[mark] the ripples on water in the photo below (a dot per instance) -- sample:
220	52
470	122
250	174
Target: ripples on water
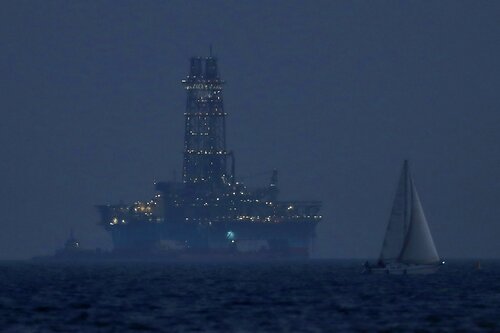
317	296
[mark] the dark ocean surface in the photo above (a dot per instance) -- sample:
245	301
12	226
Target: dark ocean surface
315	296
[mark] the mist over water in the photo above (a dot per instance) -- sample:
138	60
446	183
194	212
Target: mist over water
315	296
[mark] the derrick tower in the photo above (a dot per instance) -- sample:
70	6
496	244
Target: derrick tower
205	155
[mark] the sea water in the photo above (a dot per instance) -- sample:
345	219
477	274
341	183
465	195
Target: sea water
314	296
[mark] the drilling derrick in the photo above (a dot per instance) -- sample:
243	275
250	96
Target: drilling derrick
205	155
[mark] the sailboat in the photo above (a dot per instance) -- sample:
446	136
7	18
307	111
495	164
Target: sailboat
408	247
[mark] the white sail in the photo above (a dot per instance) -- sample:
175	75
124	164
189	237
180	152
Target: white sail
419	247
408	247
398	222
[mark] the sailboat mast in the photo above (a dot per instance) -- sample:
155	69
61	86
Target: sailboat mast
405	191
407	200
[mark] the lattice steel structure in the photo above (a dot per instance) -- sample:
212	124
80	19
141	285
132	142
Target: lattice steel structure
205	155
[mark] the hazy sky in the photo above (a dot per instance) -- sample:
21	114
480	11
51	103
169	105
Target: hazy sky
334	94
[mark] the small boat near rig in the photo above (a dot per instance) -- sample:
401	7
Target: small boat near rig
209	214
408	247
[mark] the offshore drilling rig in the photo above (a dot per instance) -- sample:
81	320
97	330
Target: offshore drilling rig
209	214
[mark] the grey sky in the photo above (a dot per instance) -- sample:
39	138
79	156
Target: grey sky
334	94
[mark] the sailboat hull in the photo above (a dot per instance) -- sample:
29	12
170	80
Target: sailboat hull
402	269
